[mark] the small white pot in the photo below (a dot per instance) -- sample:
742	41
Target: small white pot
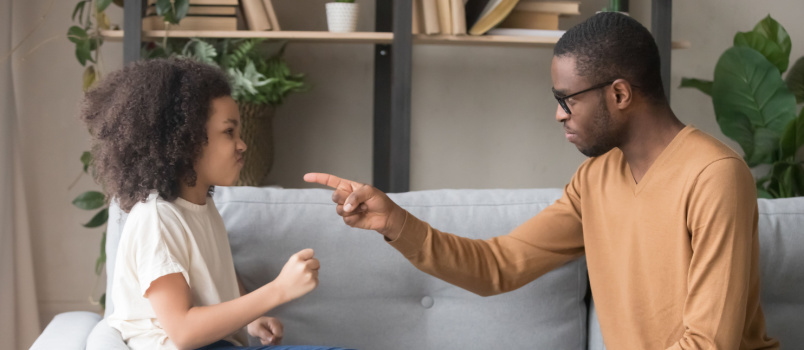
342	16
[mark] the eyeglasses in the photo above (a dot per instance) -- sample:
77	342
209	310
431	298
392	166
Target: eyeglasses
562	100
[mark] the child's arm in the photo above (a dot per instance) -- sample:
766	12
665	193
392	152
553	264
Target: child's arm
190	327
268	329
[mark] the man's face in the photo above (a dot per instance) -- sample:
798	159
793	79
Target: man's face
590	125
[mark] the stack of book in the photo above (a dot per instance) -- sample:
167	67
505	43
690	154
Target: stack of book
221	15
439	17
477	17
540	14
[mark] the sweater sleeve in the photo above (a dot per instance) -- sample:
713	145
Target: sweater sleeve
486	267
722	220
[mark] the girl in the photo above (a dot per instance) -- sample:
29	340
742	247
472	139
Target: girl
165	132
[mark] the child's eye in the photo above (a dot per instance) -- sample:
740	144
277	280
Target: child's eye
229	131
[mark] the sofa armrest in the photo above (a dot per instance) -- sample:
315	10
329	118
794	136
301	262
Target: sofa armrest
67	330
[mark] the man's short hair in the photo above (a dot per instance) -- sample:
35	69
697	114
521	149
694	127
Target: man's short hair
611	46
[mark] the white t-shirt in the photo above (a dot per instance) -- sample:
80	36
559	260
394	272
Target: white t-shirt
161	238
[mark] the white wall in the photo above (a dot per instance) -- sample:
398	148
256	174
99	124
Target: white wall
482	116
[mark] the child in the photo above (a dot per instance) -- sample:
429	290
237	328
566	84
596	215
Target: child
165	132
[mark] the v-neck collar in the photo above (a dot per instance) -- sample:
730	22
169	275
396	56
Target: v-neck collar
636	188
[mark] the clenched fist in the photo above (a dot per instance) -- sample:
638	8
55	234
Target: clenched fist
299	276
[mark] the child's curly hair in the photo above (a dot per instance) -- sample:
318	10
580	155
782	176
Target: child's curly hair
148	126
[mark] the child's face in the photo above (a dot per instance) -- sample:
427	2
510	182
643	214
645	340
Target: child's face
222	158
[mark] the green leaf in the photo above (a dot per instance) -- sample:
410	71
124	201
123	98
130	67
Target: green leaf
77	34
89	79
769	28
86	158
795	80
200	50
792	138
102	4
79	10
181	7
163	7
99	219
83	52
103	301
763	193
704	86
102	258
770	49
752	103
89	200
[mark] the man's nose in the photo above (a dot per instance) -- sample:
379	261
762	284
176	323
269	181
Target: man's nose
561	116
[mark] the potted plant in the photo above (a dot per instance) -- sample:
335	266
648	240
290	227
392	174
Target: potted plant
342	16
261	79
756	108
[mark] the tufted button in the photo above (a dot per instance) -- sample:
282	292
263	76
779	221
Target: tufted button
427	302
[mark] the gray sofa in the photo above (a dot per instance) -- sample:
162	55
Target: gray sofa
370	297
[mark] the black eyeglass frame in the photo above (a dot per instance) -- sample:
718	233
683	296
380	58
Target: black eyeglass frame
562	100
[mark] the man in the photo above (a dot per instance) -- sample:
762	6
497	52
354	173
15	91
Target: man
666	214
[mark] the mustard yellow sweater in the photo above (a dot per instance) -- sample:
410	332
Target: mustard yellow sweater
673	260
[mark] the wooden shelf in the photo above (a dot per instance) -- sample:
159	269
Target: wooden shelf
360	37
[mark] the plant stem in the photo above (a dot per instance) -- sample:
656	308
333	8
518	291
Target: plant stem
38	24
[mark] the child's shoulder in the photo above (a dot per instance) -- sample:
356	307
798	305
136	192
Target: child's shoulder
156	209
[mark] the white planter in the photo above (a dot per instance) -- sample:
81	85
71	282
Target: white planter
342	17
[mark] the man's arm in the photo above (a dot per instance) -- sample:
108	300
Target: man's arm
486	267
722	219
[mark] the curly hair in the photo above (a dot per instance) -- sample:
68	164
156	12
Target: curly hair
148	126
609	46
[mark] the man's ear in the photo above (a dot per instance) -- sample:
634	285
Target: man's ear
623	93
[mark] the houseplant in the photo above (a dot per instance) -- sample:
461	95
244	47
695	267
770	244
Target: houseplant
90	18
342	16
756	108
261	79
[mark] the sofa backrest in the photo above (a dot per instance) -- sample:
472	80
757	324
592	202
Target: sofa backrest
781	255
370	297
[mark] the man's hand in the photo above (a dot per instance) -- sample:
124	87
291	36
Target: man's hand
363	206
268	329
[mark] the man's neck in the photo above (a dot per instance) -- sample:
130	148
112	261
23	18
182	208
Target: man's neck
648	136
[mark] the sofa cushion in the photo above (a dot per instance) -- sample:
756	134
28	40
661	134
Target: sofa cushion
781	244
370	297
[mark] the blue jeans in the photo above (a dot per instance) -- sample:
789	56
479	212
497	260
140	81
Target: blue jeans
225	345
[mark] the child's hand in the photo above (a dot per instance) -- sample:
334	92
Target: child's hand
268	329
300	274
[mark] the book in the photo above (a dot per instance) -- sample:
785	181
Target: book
256	16
206	2
201	10
444	16
458	17
269	8
530	20
559	7
526	32
494	13
191	23
430	12
473	9
417	25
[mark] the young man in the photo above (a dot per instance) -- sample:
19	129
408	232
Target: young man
666	214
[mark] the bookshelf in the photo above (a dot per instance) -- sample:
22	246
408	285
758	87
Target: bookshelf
393	46
359	38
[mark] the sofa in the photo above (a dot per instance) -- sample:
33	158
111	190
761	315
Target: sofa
370	297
